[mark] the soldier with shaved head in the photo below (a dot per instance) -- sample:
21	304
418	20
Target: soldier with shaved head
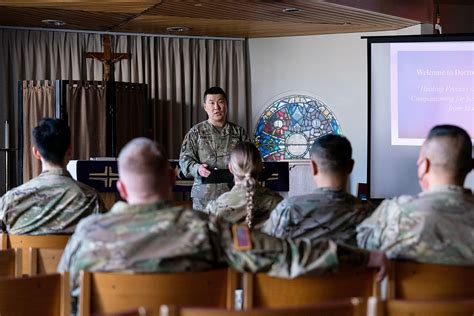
436	226
147	234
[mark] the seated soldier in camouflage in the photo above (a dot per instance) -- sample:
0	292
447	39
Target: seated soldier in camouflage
437	225
248	201
147	234
330	211
53	202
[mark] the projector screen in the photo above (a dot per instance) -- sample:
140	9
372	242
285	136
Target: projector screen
415	83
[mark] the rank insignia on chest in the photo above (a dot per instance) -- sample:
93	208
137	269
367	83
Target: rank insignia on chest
242	239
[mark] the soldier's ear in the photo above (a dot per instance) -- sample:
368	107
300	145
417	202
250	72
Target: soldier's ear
350	167
314	168
122	190
36	153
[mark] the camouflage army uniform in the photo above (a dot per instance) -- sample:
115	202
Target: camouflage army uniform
327	213
207	144
158	238
436	226
51	203
232	205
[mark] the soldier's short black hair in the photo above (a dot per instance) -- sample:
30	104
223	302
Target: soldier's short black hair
458	157
52	137
333	153
214	90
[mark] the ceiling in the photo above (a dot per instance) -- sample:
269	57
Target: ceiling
241	19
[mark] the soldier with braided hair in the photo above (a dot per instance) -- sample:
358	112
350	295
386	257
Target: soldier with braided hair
248	201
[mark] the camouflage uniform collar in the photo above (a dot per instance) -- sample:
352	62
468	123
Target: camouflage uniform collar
224	130
446	188
329	189
56	171
123	207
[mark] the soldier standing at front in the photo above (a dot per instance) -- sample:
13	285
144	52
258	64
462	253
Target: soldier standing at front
207	146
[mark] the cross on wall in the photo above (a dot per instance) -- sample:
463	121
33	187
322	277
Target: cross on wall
107	58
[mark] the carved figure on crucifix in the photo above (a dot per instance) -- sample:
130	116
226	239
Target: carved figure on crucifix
107	58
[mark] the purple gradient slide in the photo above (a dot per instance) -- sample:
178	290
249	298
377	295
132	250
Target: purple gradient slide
430	85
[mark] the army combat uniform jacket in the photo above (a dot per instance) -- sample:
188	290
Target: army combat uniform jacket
436	226
158	238
207	144
232	205
51	203
326	213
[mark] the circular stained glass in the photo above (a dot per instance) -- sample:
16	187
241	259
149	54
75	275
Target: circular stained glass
290	125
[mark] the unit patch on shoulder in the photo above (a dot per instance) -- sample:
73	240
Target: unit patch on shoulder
242	239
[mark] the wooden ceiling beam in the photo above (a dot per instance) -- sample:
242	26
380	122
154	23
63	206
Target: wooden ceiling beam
205	17
418	10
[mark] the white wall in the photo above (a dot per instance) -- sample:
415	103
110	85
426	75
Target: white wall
332	68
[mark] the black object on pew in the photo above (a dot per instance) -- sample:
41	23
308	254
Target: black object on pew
219	176
102	175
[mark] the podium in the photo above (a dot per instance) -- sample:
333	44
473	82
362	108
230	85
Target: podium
102	175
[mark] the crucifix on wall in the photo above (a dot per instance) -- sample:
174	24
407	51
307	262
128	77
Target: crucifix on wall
113	120
107	58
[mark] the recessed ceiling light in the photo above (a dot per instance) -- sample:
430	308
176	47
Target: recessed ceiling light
291	10
178	29
54	22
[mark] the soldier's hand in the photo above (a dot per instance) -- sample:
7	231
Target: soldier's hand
202	170
377	259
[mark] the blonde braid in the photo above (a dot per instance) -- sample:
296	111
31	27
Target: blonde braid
246	164
250	185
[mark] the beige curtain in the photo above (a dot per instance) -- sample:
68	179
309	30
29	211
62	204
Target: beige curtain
38	102
175	70
178	71
86	114
131	112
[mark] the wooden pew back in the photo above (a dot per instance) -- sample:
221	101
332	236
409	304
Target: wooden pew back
422	281
103	292
349	307
263	291
421	308
45	252
10	263
46	295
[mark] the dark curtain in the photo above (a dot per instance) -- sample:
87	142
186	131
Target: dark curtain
133	116
38	102
86	114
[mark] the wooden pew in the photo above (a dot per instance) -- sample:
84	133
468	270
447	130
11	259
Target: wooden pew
420	308
263	291
422	281
132	312
10	262
41	254
105	292
46	295
349	307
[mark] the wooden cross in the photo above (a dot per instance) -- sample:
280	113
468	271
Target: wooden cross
107	58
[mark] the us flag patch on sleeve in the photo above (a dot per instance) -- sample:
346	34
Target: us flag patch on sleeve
242	239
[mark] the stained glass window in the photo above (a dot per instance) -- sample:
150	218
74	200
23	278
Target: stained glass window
290	125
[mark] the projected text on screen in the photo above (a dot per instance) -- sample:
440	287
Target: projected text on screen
430	84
